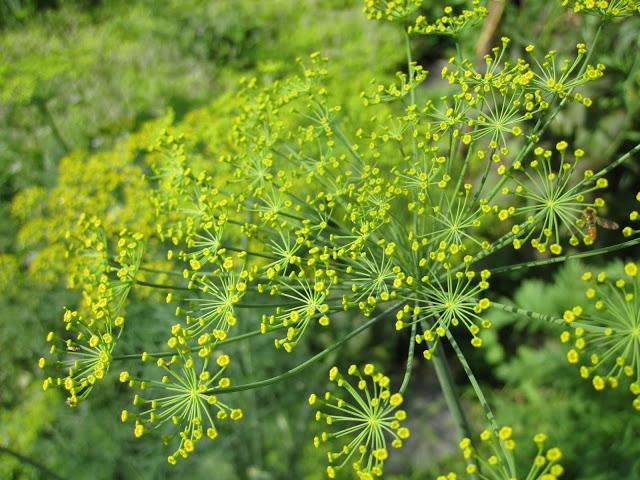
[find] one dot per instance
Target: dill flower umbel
(606, 339)
(82, 355)
(440, 305)
(605, 8)
(451, 23)
(309, 302)
(211, 314)
(391, 10)
(494, 458)
(180, 404)
(360, 418)
(83, 358)
(554, 200)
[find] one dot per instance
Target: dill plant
(401, 219)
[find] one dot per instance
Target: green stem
(482, 399)
(410, 352)
(613, 165)
(412, 94)
(564, 258)
(249, 252)
(157, 285)
(345, 141)
(157, 270)
(449, 392)
(28, 461)
(237, 338)
(545, 318)
(296, 370)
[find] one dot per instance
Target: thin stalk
(157, 270)
(564, 258)
(162, 287)
(345, 141)
(482, 399)
(298, 369)
(410, 353)
(614, 164)
(236, 338)
(449, 392)
(28, 461)
(412, 94)
(545, 318)
(249, 252)
(247, 362)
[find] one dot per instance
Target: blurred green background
(79, 79)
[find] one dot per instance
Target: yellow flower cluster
(84, 353)
(605, 338)
(494, 458)
(450, 23)
(359, 416)
(605, 8)
(181, 400)
(391, 10)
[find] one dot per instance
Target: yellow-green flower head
(204, 247)
(495, 457)
(451, 22)
(390, 10)
(604, 340)
(556, 78)
(181, 405)
(496, 100)
(441, 305)
(557, 200)
(604, 8)
(397, 90)
(104, 272)
(211, 312)
(373, 277)
(455, 227)
(306, 303)
(360, 416)
(84, 352)
(82, 357)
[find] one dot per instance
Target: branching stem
(298, 369)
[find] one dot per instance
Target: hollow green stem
(298, 369)
(564, 258)
(236, 338)
(449, 392)
(545, 318)
(162, 287)
(157, 270)
(409, 365)
(482, 399)
(620, 160)
(412, 93)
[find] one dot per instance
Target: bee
(592, 221)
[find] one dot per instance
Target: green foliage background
(85, 84)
